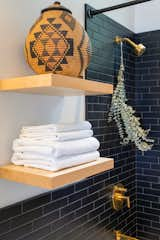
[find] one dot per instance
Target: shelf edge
(52, 180)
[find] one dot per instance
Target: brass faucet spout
(120, 236)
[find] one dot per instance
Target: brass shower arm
(138, 48)
(118, 40)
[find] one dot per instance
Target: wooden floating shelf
(51, 180)
(54, 84)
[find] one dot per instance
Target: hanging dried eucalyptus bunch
(128, 124)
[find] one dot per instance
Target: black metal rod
(92, 13)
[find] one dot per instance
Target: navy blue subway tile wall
(84, 210)
(104, 67)
(147, 80)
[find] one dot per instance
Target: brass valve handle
(120, 189)
(123, 198)
(118, 197)
(128, 202)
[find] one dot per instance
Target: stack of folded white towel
(55, 146)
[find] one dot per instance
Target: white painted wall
(140, 18)
(123, 16)
(16, 110)
(147, 17)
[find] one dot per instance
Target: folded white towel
(62, 136)
(84, 125)
(55, 165)
(57, 148)
(37, 156)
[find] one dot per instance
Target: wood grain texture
(51, 180)
(54, 84)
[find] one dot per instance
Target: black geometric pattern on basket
(69, 20)
(51, 46)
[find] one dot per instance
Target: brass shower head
(139, 49)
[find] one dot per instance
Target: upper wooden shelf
(54, 84)
(51, 180)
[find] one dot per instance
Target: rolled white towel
(57, 149)
(84, 125)
(62, 136)
(55, 164)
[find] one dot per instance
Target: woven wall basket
(57, 43)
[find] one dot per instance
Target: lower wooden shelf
(51, 180)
